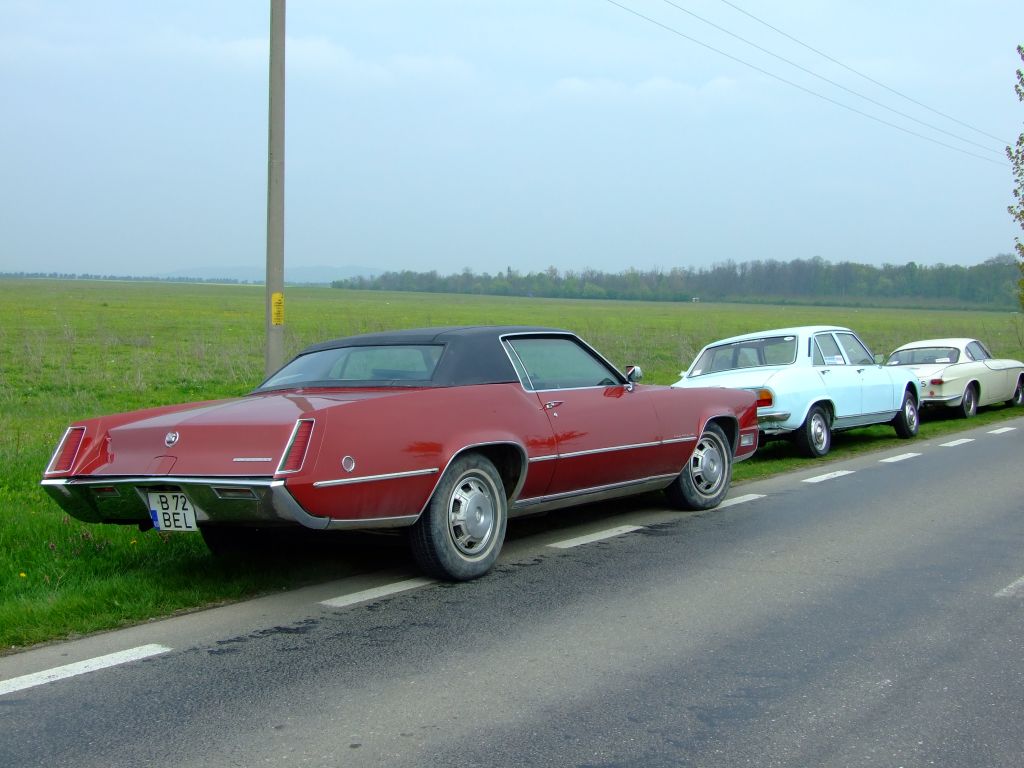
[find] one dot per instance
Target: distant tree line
(992, 284)
(136, 278)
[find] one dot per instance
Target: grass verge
(73, 349)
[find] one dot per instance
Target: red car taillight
(295, 453)
(936, 382)
(64, 457)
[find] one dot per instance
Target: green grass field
(75, 349)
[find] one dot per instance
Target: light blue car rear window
(750, 353)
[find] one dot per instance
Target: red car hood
(246, 436)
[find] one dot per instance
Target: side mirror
(634, 373)
(880, 359)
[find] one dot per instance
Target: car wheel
(1018, 393)
(907, 422)
(814, 437)
(460, 533)
(704, 480)
(969, 402)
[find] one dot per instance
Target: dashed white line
(955, 443)
(829, 476)
(81, 668)
(741, 500)
(608, 533)
(1001, 430)
(901, 457)
(375, 593)
(1013, 590)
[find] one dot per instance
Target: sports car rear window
(751, 353)
(385, 365)
(924, 356)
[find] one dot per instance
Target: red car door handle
(552, 404)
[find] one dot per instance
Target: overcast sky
(487, 134)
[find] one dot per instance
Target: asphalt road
(874, 618)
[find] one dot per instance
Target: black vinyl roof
(473, 354)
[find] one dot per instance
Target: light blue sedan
(810, 381)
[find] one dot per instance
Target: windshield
(390, 365)
(750, 353)
(924, 356)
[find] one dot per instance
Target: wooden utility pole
(275, 193)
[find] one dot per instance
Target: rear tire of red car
(704, 480)
(907, 421)
(814, 437)
(459, 535)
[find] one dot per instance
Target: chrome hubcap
(819, 432)
(707, 466)
(471, 515)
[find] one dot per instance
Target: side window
(559, 363)
(976, 351)
(826, 350)
(855, 350)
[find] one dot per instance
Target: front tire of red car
(704, 480)
(459, 535)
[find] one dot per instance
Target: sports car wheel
(814, 438)
(906, 422)
(969, 402)
(1018, 393)
(704, 480)
(460, 533)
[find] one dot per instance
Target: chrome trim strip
(526, 503)
(262, 482)
(684, 439)
(543, 458)
(368, 523)
(592, 451)
(253, 459)
(375, 478)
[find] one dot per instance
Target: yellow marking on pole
(277, 308)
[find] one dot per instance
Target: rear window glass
(752, 353)
(388, 365)
(924, 356)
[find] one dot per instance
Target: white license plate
(172, 511)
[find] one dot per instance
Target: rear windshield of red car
(751, 353)
(362, 366)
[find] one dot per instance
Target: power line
(861, 74)
(833, 82)
(781, 79)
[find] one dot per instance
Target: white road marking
(829, 476)
(375, 593)
(1001, 430)
(741, 500)
(955, 443)
(1013, 590)
(608, 533)
(901, 457)
(81, 668)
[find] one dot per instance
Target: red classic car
(445, 431)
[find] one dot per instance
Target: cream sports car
(961, 374)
